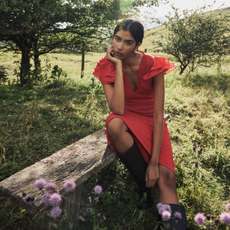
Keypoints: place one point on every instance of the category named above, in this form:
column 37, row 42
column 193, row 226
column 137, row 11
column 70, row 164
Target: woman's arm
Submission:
column 115, row 94
column 152, row 173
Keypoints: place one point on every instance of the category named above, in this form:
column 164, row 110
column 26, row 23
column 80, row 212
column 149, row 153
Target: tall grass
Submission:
column 38, row 122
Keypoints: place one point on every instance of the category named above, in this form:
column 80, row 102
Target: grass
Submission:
column 36, row 123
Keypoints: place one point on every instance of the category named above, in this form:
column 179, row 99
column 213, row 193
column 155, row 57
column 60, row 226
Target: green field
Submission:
column 35, row 123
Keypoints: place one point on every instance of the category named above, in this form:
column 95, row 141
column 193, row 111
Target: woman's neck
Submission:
column 132, row 60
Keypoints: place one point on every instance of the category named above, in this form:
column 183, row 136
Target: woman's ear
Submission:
column 137, row 46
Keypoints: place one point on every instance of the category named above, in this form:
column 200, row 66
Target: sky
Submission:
column 163, row 10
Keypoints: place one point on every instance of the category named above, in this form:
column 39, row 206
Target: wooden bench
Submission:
column 77, row 162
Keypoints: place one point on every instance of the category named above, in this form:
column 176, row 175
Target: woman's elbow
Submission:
column 119, row 112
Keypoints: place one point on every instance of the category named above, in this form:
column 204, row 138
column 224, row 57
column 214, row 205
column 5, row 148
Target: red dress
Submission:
column 138, row 113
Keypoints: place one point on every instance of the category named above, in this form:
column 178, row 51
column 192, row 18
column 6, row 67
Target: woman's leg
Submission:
column 168, row 195
column 118, row 131
column 167, row 186
column 131, row 157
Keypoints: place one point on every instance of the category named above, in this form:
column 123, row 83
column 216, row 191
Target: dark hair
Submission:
column 135, row 28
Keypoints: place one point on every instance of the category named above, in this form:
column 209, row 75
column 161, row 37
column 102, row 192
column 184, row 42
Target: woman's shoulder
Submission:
column 154, row 60
column 156, row 65
column 105, row 71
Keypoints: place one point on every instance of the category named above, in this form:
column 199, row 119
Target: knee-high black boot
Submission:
column 174, row 223
column 137, row 166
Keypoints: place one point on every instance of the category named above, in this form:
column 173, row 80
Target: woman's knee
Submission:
column 167, row 177
column 115, row 127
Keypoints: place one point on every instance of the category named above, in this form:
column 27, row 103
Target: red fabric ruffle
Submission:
column 160, row 64
column 105, row 71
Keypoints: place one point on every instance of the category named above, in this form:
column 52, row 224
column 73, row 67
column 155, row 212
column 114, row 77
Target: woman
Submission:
column 133, row 83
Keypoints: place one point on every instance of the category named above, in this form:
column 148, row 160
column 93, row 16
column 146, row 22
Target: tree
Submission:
column 35, row 27
column 196, row 38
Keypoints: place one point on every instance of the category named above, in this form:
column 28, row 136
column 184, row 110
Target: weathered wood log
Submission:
column 77, row 162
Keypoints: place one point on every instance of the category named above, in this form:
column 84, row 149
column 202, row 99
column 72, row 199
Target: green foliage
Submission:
column 196, row 38
column 37, row 27
column 117, row 204
column 37, row 122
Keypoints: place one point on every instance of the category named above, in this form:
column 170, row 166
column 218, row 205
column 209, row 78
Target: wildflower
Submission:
column 23, row 194
column 55, row 199
column 159, row 207
column 69, row 185
column 196, row 164
column 163, row 207
column 217, row 221
column 97, row 189
column 166, row 215
column 32, row 198
column 51, row 187
column 26, row 198
column 177, row 215
column 225, row 218
column 46, row 198
column 208, row 217
column 200, row 219
column 212, row 217
column 40, row 183
column 228, row 206
column 56, row 212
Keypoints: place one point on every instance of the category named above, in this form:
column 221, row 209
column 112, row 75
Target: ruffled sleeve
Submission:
column 158, row 65
column 105, row 71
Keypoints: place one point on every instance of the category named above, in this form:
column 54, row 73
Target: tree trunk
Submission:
column 25, row 65
column 82, row 59
column 182, row 68
column 37, row 63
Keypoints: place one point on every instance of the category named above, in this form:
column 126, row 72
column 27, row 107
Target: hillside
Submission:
column 155, row 33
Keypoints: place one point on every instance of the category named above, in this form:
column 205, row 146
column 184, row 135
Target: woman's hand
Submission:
column 152, row 175
column 110, row 57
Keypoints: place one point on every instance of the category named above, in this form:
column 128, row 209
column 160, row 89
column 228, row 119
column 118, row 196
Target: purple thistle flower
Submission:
column 56, row 212
column 46, row 198
column 159, row 207
column 177, row 215
column 69, row 185
column 208, row 217
column 200, row 219
column 40, row 183
column 228, row 206
column 217, row 221
column 51, row 187
column 225, row 218
column 97, row 189
column 166, row 215
column 55, row 199
column 196, row 164
column 23, row 194
column 163, row 207
column 26, row 198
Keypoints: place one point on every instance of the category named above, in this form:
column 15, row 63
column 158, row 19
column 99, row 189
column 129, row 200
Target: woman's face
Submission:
column 123, row 44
